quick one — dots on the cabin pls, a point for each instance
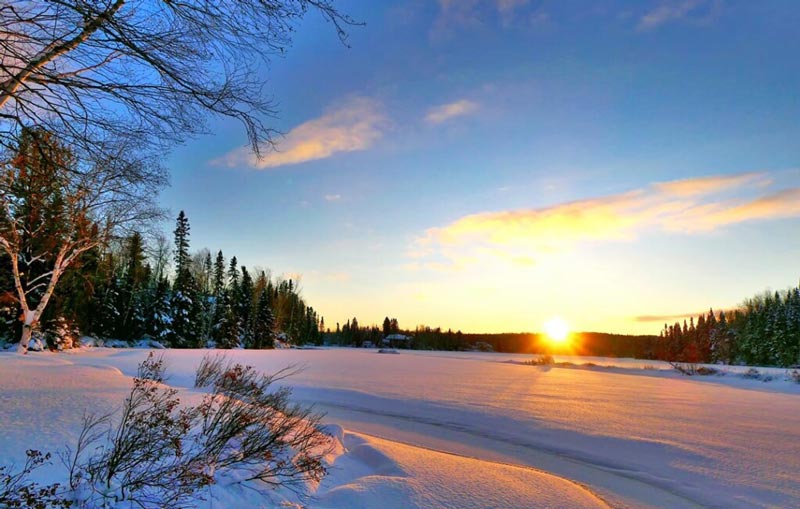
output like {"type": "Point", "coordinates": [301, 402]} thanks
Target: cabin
{"type": "Point", "coordinates": [397, 341]}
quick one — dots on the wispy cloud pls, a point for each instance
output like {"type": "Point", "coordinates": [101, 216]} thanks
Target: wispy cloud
{"type": "Point", "coordinates": [333, 197]}
{"type": "Point", "coordinates": [445, 112]}
{"type": "Point", "coordinates": [677, 10]}
{"type": "Point", "coordinates": [354, 125]}
{"type": "Point", "coordinates": [472, 13]}
{"type": "Point", "coordinates": [675, 317]}
{"type": "Point", "coordinates": [685, 206]}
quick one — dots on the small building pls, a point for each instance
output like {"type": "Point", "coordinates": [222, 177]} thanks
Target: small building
{"type": "Point", "coordinates": [397, 340]}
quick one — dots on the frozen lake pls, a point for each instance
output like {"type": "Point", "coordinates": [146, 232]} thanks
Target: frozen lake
{"type": "Point", "coordinates": [632, 437]}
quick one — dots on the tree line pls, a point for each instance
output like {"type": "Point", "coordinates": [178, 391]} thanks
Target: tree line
{"type": "Point", "coordinates": [423, 337]}
{"type": "Point", "coordinates": [763, 331]}
{"type": "Point", "coordinates": [129, 291]}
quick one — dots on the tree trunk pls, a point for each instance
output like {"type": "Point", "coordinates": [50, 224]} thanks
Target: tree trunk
{"type": "Point", "coordinates": [27, 330]}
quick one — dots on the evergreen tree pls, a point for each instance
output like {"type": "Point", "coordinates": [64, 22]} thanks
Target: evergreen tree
{"type": "Point", "coordinates": [185, 307]}
{"type": "Point", "coordinates": [181, 251]}
{"type": "Point", "coordinates": [263, 333]}
{"type": "Point", "coordinates": [219, 275]}
{"type": "Point", "coordinates": [244, 303]}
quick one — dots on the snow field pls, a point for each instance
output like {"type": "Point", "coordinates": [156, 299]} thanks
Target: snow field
{"type": "Point", "coordinates": [628, 436]}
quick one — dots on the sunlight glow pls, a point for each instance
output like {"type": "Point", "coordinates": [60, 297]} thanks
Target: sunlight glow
{"type": "Point", "coordinates": [557, 330]}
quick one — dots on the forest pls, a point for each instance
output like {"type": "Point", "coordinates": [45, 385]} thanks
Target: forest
{"type": "Point", "coordinates": [130, 290]}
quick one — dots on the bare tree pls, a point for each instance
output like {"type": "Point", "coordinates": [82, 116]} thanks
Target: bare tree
{"type": "Point", "coordinates": [150, 70]}
{"type": "Point", "coordinates": [55, 207]}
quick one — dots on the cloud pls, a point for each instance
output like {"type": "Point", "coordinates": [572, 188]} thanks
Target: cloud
{"type": "Point", "coordinates": [686, 206]}
{"type": "Point", "coordinates": [445, 112]}
{"type": "Point", "coordinates": [474, 13]}
{"type": "Point", "coordinates": [333, 197]}
{"type": "Point", "coordinates": [675, 317]}
{"type": "Point", "coordinates": [354, 125]}
{"type": "Point", "coordinates": [672, 11]}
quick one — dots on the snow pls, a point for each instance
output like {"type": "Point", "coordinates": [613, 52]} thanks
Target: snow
{"type": "Point", "coordinates": [446, 429]}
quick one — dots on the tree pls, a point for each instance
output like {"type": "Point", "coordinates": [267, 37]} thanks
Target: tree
{"type": "Point", "coordinates": [263, 335]}
{"type": "Point", "coordinates": [185, 306]}
{"type": "Point", "coordinates": [149, 72]}
{"type": "Point", "coordinates": [181, 249]}
{"type": "Point", "coordinates": [219, 276]}
{"type": "Point", "coordinates": [55, 207]}
{"type": "Point", "coordinates": [244, 303]}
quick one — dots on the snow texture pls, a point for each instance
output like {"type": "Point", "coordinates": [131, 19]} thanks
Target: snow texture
{"type": "Point", "coordinates": [460, 430]}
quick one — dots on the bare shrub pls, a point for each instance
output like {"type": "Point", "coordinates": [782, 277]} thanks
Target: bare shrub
{"type": "Point", "coordinates": [690, 369]}
{"type": "Point", "coordinates": [18, 491]}
{"type": "Point", "coordinates": [161, 454]}
{"type": "Point", "coordinates": [705, 371]}
{"type": "Point", "coordinates": [541, 360]}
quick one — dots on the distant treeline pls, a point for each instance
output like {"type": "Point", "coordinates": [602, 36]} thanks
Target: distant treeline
{"type": "Point", "coordinates": [130, 290]}
{"type": "Point", "coordinates": [764, 331]}
{"type": "Point", "coordinates": [428, 338]}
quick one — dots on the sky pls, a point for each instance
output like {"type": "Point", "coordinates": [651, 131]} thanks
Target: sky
{"type": "Point", "coordinates": [486, 165]}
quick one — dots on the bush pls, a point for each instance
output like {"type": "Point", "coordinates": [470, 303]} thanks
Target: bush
{"type": "Point", "coordinates": [541, 360]}
{"type": "Point", "coordinates": [160, 454]}
{"type": "Point", "coordinates": [795, 375]}
{"type": "Point", "coordinates": [752, 373]}
{"type": "Point", "coordinates": [17, 491]}
{"type": "Point", "coordinates": [61, 334]}
{"type": "Point", "coordinates": [690, 369]}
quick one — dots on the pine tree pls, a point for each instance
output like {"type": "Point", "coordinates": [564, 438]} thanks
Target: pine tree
{"type": "Point", "coordinates": [159, 318]}
{"type": "Point", "coordinates": [132, 325]}
{"type": "Point", "coordinates": [219, 275]}
{"type": "Point", "coordinates": [227, 333]}
{"type": "Point", "coordinates": [185, 307]}
{"type": "Point", "coordinates": [263, 333]}
{"type": "Point", "coordinates": [244, 303]}
{"type": "Point", "coordinates": [182, 259]}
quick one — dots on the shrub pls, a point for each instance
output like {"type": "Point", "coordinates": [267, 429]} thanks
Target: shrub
{"type": "Point", "coordinates": [752, 373]}
{"type": "Point", "coordinates": [61, 334]}
{"type": "Point", "coordinates": [17, 491]}
{"type": "Point", "coordinates": [160, 454]}
{"type": "Point", "coordinates": [795, 375]}
{"type": "Point", "coordinates": [541, 360]}
{"type": "Point", "coordinates": [705, 371]}
{"type": "Point", "coordinates": [690, 369]}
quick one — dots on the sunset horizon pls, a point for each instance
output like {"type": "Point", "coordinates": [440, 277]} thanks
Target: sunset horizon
{"type": "Point", "coordinates": [484, 166]}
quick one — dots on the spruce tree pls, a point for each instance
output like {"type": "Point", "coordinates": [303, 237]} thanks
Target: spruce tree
{"type": "Point", "coordinates": [219, 275]}
{"type": "Point", "coordinates": [182, 259]}
{"type": "Point", "coordinates": [263, 333]}
{"type": "Point", "coordinates": [244, 303]}
{"type": "Point", "coordinates": [184, 306]}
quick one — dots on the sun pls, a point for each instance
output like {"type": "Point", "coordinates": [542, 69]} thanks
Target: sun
{"type": "Point", "coordinates": [557, 330]}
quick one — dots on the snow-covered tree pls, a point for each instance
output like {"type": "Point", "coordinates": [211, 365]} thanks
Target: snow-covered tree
{"type": "Point", "coordinates": [54, 208]}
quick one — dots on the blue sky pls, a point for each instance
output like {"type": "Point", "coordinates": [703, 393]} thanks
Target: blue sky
{"type": "Point", "coordinates": [488, 164]}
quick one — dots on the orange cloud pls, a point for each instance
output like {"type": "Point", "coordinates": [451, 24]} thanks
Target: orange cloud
{"type": "Point", "coordinates": [445, 112]}
{"type": "Point", "coordinates": [353, 126]}
{"type": "Point", "coordinates": [712, 184]}
{"type": "Point", "coordinates": [687, 206]}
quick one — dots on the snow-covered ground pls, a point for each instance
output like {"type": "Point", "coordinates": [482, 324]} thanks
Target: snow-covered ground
{"type": "Point", "coordinates": [444, 429]}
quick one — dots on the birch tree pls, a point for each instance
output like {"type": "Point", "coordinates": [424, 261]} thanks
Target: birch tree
{"type": "Point", "coordinates": [55, 207]}
{"type": "Point", "coordinates": [89, 71]}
